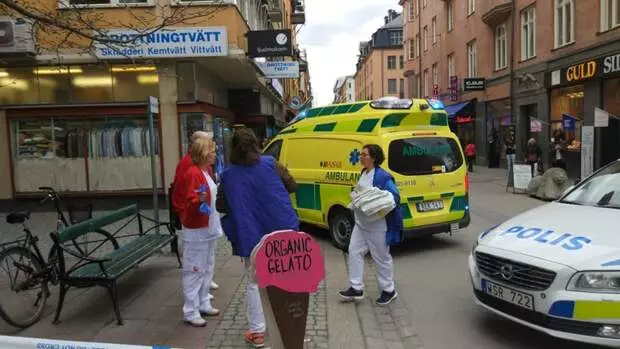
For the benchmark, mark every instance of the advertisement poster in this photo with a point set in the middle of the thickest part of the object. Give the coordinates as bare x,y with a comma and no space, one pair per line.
218,136
587,151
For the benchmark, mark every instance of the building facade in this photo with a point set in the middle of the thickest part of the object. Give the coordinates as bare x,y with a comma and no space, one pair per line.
380,65
344,89
73,113
533,69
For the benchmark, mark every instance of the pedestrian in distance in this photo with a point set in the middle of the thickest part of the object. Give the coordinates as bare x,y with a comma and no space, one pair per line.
201,230
177,197
254,195
470,154
372,234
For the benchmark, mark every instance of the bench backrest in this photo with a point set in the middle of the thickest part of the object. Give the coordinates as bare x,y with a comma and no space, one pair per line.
85,227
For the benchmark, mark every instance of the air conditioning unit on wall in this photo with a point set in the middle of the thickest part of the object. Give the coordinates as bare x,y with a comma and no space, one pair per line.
16,37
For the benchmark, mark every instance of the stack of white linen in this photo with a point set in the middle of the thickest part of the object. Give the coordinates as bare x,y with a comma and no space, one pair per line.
372,201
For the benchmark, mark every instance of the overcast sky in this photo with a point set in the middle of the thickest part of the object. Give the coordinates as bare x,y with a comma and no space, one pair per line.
331,37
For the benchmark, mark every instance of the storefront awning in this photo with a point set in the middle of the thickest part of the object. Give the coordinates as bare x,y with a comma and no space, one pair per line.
454,109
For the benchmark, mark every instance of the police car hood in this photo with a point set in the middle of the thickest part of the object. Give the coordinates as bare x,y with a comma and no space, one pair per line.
581,237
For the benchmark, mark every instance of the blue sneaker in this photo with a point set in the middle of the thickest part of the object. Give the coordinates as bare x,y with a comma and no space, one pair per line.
352,294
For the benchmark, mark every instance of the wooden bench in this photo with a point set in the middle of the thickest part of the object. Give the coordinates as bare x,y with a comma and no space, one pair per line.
88,271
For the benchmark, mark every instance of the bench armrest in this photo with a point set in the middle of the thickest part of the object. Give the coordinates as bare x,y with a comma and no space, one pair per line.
160,224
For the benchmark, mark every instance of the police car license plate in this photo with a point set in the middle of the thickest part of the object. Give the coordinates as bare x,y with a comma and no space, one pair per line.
509,295
427,206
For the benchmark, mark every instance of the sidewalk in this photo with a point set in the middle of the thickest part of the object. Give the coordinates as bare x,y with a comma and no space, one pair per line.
151,301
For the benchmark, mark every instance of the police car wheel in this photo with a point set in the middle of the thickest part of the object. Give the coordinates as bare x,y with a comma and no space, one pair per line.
340,227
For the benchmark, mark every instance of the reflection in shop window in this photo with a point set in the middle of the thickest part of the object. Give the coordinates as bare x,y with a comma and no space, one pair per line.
54,83
186,81
93,84
192,122
17,86
134,82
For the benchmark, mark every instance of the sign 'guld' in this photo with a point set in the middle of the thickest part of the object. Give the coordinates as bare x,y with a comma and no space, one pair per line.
581,71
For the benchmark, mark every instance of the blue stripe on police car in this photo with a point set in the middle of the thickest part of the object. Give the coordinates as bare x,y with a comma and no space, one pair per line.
567,241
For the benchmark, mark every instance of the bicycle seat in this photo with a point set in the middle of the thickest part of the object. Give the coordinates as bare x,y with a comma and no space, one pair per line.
17,217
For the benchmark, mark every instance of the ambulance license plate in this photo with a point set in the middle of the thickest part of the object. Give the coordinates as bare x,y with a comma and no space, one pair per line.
509,295
428,206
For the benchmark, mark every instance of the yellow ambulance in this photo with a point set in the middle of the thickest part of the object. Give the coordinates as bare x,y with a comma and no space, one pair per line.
321,147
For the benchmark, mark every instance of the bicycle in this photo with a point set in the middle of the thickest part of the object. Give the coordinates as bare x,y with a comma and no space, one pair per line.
25,255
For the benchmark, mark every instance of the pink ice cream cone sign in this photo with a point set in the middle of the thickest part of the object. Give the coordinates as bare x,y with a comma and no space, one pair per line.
289,260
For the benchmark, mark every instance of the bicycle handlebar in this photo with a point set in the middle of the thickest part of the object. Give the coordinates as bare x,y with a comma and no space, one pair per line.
51,194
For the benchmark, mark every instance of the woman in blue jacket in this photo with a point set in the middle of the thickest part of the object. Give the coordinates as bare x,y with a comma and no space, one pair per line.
374,235
255,197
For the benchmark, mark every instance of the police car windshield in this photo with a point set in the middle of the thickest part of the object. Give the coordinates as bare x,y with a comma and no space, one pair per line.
602,190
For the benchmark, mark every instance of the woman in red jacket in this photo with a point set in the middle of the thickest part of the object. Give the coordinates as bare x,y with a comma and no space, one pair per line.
201,230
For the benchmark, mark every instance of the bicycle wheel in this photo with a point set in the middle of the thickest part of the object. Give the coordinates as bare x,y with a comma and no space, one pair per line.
23,287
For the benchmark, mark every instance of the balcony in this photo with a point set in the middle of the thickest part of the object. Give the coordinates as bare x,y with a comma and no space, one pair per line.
495,12
298,15
274,11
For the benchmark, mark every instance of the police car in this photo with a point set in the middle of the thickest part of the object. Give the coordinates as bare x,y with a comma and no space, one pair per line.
556,268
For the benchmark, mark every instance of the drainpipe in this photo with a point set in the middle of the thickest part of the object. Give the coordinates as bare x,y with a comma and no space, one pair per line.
419,49
513,54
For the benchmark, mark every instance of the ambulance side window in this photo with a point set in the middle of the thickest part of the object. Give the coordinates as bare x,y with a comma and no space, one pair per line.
274,149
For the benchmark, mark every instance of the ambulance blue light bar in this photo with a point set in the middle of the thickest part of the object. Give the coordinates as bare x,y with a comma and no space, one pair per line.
436,104
391,103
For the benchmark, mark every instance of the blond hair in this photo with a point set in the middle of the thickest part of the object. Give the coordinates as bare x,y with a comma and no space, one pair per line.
200,149
199,134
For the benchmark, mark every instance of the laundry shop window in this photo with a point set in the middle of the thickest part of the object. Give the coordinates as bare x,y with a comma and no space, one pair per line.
568,102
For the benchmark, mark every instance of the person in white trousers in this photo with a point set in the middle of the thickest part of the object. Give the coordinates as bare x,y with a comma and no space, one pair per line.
201,228
369,235
177,198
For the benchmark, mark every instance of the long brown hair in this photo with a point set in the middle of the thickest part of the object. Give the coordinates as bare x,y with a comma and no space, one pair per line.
245,149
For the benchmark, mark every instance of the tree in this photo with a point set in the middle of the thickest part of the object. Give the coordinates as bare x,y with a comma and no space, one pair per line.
70,24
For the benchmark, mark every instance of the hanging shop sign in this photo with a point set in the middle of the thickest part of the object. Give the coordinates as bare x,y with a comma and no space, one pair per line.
568,122
535,125
474,84
270,43
454,88
279,69
167,42
277,86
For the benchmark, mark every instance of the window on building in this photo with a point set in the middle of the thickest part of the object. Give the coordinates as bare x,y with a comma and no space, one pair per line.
417,45
391,62
425,38
424,3
416,9
418,85
411,50
392,88
67,3
610,14
501,47
410,11
435,73
564,22
401,62
401,92
434,30
472,57
528,33
396,37
471,6
426,83
450,15
451,66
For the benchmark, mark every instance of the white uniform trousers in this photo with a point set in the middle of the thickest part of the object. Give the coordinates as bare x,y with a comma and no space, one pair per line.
361,242
256,317
197,276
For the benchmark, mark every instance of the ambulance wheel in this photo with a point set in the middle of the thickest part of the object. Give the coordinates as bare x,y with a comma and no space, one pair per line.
340,227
